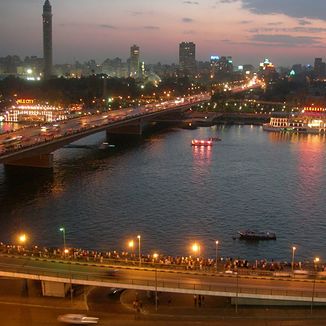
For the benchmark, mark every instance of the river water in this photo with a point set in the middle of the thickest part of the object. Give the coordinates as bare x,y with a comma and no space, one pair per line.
173,194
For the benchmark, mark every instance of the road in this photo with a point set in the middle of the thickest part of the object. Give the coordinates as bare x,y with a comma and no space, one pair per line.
167,280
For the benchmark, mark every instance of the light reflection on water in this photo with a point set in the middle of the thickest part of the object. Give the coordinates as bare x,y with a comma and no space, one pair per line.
173,194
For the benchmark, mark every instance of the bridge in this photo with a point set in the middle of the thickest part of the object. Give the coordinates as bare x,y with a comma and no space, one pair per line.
58,275
32,147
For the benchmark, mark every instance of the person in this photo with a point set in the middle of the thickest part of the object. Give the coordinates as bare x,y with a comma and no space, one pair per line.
199,300
195,300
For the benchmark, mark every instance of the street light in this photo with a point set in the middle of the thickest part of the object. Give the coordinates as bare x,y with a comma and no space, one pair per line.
196,248
293,251
22,238
139,255
131,245
63,230
216,247
316,261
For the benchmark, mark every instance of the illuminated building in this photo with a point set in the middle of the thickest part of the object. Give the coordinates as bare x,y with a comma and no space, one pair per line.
214,65
220,66
134,61
47,39
27,111
187,58
267,68
310,120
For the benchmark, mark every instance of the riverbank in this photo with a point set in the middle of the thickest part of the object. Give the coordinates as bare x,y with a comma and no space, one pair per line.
198,119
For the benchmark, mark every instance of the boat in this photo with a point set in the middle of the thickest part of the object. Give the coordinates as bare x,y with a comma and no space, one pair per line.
214,139
199,142
106,145
255,236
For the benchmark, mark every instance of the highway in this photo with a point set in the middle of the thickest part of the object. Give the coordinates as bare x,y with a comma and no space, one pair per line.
36,134
219,284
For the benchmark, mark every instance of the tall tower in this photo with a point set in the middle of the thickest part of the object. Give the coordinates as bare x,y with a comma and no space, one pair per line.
134,61
47,39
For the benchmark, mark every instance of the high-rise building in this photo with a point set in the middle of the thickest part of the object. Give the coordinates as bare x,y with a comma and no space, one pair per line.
47,39
134,62
319,67
214,65
187,58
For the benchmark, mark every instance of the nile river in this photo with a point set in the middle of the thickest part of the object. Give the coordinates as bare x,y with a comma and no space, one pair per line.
173,194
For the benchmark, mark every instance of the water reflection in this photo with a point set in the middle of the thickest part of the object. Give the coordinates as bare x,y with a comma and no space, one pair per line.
173,194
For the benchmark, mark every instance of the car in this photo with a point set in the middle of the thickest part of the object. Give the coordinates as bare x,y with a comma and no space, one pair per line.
77,319
114,291
112,272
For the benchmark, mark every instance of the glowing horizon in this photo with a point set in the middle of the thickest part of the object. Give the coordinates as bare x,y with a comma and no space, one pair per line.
247,30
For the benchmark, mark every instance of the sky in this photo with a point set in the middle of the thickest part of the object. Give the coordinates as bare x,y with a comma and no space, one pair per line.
286,31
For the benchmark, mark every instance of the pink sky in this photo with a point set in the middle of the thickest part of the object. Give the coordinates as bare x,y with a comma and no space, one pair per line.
248,30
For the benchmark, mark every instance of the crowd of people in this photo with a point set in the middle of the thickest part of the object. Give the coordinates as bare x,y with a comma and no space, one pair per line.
227,264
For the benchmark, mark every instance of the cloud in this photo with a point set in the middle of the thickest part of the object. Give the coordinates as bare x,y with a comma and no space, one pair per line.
244,22
151,27
187,20
298,29
139,13
106,26
189,32
315,9
228,1
191,2
304,22
285,39
275,23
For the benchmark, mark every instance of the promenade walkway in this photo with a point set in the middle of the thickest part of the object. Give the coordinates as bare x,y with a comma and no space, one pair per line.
184,263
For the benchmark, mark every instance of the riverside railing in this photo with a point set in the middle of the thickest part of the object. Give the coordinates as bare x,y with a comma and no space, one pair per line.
232,290
189,267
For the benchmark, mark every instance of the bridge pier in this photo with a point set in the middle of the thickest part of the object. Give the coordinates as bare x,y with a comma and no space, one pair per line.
39,161
133,128
55,289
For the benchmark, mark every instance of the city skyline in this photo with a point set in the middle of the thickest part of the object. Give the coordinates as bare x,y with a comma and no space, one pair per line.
248,30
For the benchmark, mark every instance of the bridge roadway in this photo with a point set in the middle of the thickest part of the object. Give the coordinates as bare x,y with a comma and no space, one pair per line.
164,280
34,142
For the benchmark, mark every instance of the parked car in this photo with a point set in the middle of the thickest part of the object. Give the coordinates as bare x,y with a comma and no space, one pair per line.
77,319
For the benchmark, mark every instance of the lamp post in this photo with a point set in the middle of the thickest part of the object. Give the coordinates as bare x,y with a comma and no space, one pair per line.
155,256
196,248
22,238
293,251
63,230
139,254
216,248
316,261
131,246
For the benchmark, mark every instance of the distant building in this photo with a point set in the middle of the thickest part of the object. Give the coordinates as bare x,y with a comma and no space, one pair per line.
26,110
297,68
187,58
220,67
214,66
267,70
319,67
47,39
134,67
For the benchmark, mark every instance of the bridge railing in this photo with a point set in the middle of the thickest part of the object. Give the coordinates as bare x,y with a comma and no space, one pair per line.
190,287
